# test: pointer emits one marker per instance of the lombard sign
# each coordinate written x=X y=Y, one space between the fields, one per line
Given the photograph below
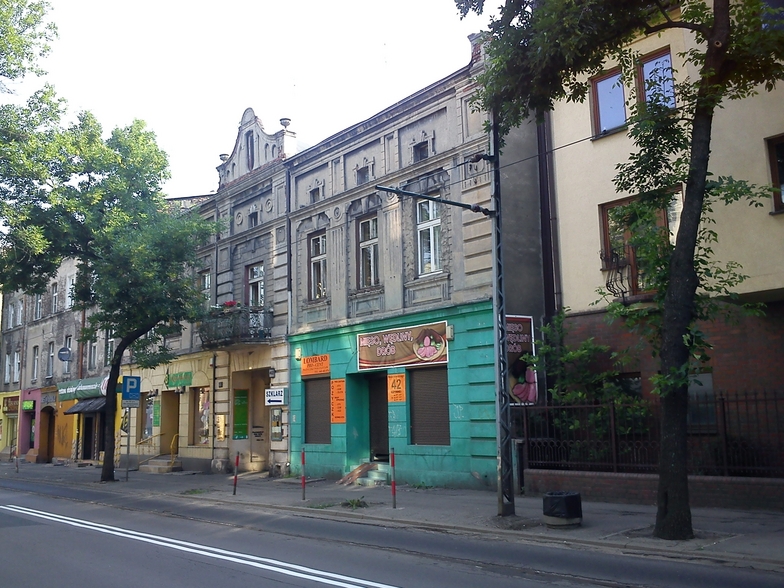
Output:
x=275 y=397
x=418 y=345
x=315 y=365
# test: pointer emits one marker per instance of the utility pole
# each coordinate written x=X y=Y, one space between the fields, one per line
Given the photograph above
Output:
x=502 y=402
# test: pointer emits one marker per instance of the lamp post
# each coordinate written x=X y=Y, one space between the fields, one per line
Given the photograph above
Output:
x=502 y=402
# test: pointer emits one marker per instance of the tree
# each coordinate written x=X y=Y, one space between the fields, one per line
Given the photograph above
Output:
x=24 y=37
x=69 y=193
x=544 y=51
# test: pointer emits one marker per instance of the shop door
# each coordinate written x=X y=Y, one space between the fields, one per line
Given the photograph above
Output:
x=88 y=437
x=170 y=421
x=46 y=441
x=259 y=429
x=379 y=418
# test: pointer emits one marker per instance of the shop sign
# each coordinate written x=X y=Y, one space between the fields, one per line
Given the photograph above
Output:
x=275 y=397
x=49 y=396
x=396 y=388
x=28 y=404
x=240 y=428
x=417 y=345
x=519 y=342
x=178 y=379
x=77 y=389
x=337 y=401
x=11 y=404
x=315 y=365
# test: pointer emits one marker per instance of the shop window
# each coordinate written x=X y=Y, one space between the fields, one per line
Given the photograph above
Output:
x=256 y=285
x=199 y=412
x=144 y=416
x=776 y=156
x=609 y=102
x=318 y=266
x=429 y=406
x=428 y=236
x=368 y=253
x=318 y=427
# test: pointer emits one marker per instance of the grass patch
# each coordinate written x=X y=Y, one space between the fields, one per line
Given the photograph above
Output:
x=354 y=503
x=195 y=491
x=322 y=505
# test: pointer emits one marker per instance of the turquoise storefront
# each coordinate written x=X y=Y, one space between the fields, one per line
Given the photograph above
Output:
x=421 y=384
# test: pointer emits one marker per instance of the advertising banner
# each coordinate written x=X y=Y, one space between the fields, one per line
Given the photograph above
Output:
x=519 y=342
x=417 y=345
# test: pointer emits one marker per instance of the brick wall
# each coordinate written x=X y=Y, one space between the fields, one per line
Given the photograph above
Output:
x=704 y=491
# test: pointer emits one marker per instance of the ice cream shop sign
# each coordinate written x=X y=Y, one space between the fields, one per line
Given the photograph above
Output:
x=419 y=345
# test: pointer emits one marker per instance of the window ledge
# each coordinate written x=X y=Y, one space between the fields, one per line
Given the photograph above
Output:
x=776 y=212
x=607 y=133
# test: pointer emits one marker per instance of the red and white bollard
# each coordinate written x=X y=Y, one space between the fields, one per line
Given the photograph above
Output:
x=394 y=486
x=303 y=473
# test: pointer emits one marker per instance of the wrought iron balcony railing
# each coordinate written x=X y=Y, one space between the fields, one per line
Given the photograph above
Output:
x=222 y=327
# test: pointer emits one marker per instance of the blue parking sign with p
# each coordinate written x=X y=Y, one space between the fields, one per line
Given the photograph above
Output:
x=131 y=391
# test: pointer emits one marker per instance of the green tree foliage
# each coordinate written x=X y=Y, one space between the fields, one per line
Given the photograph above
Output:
x=69 y=193
x=24 y=37
x=544 y=51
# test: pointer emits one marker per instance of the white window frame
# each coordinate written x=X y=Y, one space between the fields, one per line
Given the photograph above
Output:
x=7 y=371
x=67 y=364
x=108 y=348
x=50 y=361
x=317 y=250
x=92 y=355
x=255 y=275
x=39 y=307
x=368 y=252
x=34 y=374
x=55 y=292
x=11 y=316
x=19 y=314
x=17 y=367
x=70 y=282
x=428 y=237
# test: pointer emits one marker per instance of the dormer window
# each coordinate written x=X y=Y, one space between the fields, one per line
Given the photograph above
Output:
x=363 y=175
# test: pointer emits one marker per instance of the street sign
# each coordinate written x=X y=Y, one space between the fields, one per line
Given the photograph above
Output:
x=131 y=391
x=275 y=396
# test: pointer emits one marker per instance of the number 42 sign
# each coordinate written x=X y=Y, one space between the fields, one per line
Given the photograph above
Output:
x=396 y=388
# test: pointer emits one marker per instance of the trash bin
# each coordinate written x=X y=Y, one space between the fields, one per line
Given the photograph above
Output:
x=562 y=509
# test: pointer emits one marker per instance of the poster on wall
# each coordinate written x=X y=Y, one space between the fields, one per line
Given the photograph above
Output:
x=523 y=387
x=417 y=345
x=240 y=428
x=337 y=401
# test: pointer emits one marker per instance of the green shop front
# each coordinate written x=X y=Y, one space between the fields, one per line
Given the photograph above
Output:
x=421 y=386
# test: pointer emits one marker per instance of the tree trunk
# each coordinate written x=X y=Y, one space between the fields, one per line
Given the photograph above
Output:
x=110 y=416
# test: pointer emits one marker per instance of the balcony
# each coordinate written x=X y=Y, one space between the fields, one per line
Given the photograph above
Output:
x=231 y=326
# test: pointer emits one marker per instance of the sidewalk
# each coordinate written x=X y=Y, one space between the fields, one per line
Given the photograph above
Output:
x=752 y=539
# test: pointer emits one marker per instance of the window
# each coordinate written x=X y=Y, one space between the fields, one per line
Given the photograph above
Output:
x=318 y=267
x=655 y=76
x=67 y=364
x=50 y=361
x=253 y=219
x=19 y=313
x=618 y=256
x=199 y=410
x=70 y=281
x=363 y=175
x=34 y=374
x=420 y=151
x=54 y=298
x=429 y=400
x=315 y=193
x=145 y=416
x=39 y=307
x=368 y=252
x=701 y=417
x=256 y=285
x=92 y=355
x=205 y=285
x=17 y=368
x=318 y=428
x=7 y=370
x=609 y=104
x=11 y=316
x=108 y=348
x=429 y=236
x=776 y=155
x=776 y=19
x=251 y=151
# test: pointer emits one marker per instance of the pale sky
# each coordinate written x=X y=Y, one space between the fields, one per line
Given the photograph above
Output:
x=190 y=68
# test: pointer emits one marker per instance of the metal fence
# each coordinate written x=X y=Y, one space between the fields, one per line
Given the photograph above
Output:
x=739 y=434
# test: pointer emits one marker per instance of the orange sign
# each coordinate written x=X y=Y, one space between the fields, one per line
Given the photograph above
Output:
x=396 y=388
x=315 y=365
x=337 y=401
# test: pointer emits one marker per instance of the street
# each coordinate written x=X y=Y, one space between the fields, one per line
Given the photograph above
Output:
x=64 y=536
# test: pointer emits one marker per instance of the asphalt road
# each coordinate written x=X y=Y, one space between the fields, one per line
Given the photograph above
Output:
x=63 y=536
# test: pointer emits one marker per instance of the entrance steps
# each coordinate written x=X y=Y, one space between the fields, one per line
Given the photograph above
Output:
x=161 y=465
x=368 y=474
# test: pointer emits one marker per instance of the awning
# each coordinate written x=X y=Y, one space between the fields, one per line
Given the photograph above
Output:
x=84 y=388
x=88 y=405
